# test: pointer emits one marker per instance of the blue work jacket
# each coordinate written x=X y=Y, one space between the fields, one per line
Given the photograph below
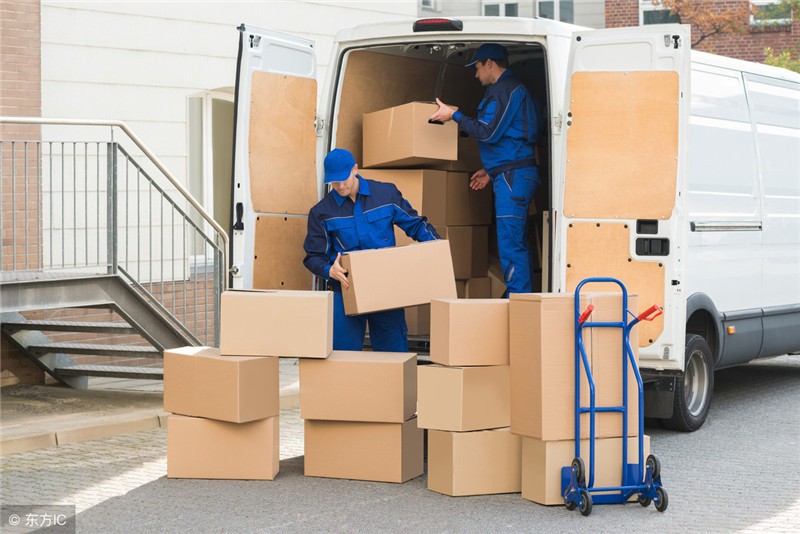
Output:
x=337 y=225
x=507 y=127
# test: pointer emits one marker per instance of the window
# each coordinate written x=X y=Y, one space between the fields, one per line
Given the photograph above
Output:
x=771 y=13
x=429 y=5
x=652 y=14
x=500 y=8
x=562 y=10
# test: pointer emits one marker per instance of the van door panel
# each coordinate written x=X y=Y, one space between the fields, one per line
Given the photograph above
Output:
x=282 y=144
x=623 y=145
x=278 y=257
x=604 y=250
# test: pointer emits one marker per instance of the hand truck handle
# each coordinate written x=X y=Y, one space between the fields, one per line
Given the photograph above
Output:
x=585 y=315
x=650 y=313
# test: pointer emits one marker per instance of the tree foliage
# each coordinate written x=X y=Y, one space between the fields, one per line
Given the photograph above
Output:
x=784 y=59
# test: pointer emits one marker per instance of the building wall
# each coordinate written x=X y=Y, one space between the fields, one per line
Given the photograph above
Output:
x=20 y=95
x=589 y=13
x=748 y=46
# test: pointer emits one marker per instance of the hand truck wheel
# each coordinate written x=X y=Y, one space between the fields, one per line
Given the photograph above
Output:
x=586 y=503
x=644 y=501
x=662 y=499
x=580 y=471
x=655 y=466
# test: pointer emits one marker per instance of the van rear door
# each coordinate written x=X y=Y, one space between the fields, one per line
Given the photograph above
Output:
x=622 y=178
x=274 y=174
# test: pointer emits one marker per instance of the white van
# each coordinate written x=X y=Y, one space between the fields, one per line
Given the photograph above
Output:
x=674 y=171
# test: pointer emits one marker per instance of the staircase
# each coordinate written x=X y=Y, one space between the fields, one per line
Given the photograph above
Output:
x=97 y=232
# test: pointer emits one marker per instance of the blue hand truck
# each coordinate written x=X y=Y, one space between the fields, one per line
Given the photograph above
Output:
x=642 y=478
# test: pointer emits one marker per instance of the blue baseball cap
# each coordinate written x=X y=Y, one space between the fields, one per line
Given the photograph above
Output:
x=488 y=51
x=338 y=165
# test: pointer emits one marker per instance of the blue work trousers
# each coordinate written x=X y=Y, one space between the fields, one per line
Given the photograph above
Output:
x=513 y=192
x=387 y=329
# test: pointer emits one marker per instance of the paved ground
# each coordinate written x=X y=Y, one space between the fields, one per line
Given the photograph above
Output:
x=738 y=473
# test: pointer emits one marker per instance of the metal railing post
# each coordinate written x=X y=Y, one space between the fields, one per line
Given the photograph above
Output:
x=111 y=207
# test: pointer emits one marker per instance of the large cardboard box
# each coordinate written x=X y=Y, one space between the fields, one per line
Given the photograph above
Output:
x=542 y=462
x=201 y=383
x=484 y=462
x=542 y=358
x=469 y=246
x=401 y=136
x=463 y=398
x=444 y=198
x=467 y=332
x=396 y=277
x=206 y=448
x=359 y=386
x=418 y=320
x=383 y=452
x=469 y=156
x=475 y=288
x=277 y=323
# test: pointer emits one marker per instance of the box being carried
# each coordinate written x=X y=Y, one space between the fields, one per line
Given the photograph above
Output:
x=401 y=136
x=296 y=324
x=396 y=277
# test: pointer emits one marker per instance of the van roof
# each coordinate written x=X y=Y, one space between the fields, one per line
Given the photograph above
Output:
x=705 y=58
x=475 y=29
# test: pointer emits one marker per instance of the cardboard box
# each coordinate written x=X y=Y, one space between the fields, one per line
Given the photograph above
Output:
x=542 y=462
x=382 y=452
x=401 y=136
x=359 y=386
x=474 y=463
x=201 y=383
x=469 y=332
x=444 y=198
x=396 y=277
x=542 y=358
x=297 y=324
x=205 y=448
x=469 y=156
x=418 y=320
x=475 y=288
x=496 y=280
x=463 y=398
x=469 y=246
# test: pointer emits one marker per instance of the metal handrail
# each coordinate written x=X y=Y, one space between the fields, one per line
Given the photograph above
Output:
x=153 y=159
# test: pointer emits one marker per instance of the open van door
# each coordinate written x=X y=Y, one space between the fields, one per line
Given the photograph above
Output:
x=623 y=179
x=274 y=169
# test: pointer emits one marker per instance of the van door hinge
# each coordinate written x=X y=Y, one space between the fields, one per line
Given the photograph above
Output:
x=557 y=120
x=319 y=125
x=255 y=40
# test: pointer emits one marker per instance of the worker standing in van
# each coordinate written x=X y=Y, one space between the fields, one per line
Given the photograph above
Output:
x=507 y=129
x=359 y=214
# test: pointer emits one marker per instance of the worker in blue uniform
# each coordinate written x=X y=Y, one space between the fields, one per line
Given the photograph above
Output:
x=359 y=214
x=507 y=130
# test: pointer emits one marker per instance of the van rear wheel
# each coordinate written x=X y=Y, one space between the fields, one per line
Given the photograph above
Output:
x=694 y=390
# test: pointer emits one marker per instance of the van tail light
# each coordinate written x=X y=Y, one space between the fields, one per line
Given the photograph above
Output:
x=438 y=25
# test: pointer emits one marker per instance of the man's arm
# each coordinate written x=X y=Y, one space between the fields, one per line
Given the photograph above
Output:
x=406 y=217
x=317 y=245
x=496 y=117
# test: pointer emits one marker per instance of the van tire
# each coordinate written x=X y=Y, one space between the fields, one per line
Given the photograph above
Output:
x=693 y=391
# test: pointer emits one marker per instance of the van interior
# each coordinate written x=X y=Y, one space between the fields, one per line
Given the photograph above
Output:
x=385 y=76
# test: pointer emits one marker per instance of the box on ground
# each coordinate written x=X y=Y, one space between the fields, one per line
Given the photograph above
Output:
x=418 y=320
x=396 y=277
x=205 y=448
x=401 y=136
x=542 y=462
x=201 y=383
x=463 y=398
x=277 y=323
x=359 y=386
x=469 y=246
x=382 y=452
x=476 y=288
x=469 y=332
x=444 y=198
x=483 y=462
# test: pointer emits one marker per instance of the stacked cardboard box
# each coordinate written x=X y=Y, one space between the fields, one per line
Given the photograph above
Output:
x=225 y=402
x=542 y=357
x=431 y=165
x=359 y=416
x=464 y=400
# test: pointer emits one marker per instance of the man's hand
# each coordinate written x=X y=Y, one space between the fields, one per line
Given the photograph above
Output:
x=444 y=114
x=338 y=272
x=479 y=180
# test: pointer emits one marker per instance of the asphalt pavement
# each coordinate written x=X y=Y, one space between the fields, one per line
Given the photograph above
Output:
x=739 y=473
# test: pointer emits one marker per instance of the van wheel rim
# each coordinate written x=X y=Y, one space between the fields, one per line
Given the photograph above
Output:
x=695 y=383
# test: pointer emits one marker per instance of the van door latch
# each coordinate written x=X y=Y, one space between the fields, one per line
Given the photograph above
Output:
x=557 y=121
x=319 y=125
